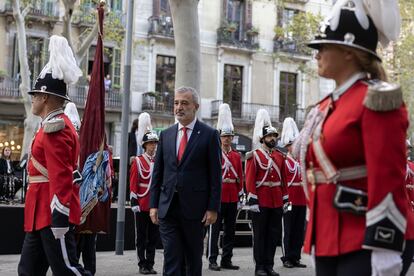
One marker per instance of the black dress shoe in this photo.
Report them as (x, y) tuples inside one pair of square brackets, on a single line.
[(143, 270), (260, 272), (299, 264), (271, 272), (151, 270), (229, 265), (288, 264), (214, 267)]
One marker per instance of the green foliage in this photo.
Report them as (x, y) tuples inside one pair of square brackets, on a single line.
[(86, 16), (398, 58)]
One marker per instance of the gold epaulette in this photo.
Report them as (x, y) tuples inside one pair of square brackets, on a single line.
[(54, 125), (383, 96), (249, 154)]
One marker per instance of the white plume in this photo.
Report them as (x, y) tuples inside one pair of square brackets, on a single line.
[(360, 14), (384, 13), (387, 19), (290, 131), (72, 112), (62, 64), (262, 119), (224, 121), (144, 126)]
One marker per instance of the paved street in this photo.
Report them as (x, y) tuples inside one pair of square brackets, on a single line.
[(110, 265)]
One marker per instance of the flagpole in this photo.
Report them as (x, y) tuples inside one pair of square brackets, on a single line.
[(120, 222)]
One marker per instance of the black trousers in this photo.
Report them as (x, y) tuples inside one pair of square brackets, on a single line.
[(86, 245), (183, 242), (41, 250), (267, 229), (407, 256), (226, 220), (293, 233), (146, 238), (356, 264)]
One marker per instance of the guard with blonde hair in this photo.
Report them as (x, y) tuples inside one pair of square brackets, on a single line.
[(353, 166)]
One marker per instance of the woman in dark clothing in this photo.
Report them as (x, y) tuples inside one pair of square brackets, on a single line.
[(6, 174)]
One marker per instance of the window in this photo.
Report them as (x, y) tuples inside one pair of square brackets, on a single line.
[(115, 5), (116, 68), (287, 95), (233, 88), (165, 74), (165, 8), (235, 14), (286, 19), (37, 56)]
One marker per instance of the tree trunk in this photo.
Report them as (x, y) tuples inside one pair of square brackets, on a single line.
[(187, 42), (31, 122), (69, 6)]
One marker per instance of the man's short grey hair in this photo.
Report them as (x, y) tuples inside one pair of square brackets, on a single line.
[(185, 89)]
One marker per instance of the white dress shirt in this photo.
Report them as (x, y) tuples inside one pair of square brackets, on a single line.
[(180, 133)]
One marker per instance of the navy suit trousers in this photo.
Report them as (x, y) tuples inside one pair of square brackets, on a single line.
[(183, 242)]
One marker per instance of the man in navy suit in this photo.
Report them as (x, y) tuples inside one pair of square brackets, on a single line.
[(186, 185)]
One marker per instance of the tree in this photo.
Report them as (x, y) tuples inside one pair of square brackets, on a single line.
[(30, 122), (19, 13), (187, 42), (398, 58)]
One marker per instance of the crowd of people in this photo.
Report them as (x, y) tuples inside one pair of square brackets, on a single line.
[(188, 181)]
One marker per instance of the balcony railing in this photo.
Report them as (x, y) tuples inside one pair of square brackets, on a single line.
[(39, 9), (160, 103), (161, 26), (9, 88), (291, 46), (248, 112), (246, 40), (79, 95)]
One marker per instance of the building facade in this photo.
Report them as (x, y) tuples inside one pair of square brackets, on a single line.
[(243, 63)]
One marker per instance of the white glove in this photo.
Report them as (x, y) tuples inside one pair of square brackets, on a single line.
[(385, 263), (59, 232), (239, 205), (135, 209), (254, 208)]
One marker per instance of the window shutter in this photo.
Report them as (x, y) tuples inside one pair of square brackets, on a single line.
[(248, 14), (224, 10), (156, 8)]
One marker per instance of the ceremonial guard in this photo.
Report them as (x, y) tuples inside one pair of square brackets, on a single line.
[(408, 253), (52, 202), (266, 193), (146, 233), (231, 192), (354, 169), (293, 221)]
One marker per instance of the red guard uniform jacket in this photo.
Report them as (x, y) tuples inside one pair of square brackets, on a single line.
[(232, 186), (353, 135), (140, 179), (293, 179), (270, 197), (409, 184), (58, 153)]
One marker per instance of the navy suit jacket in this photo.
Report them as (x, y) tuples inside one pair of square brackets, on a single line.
[(197, 178)]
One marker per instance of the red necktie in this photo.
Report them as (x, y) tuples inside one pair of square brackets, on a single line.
[(183, 144)]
